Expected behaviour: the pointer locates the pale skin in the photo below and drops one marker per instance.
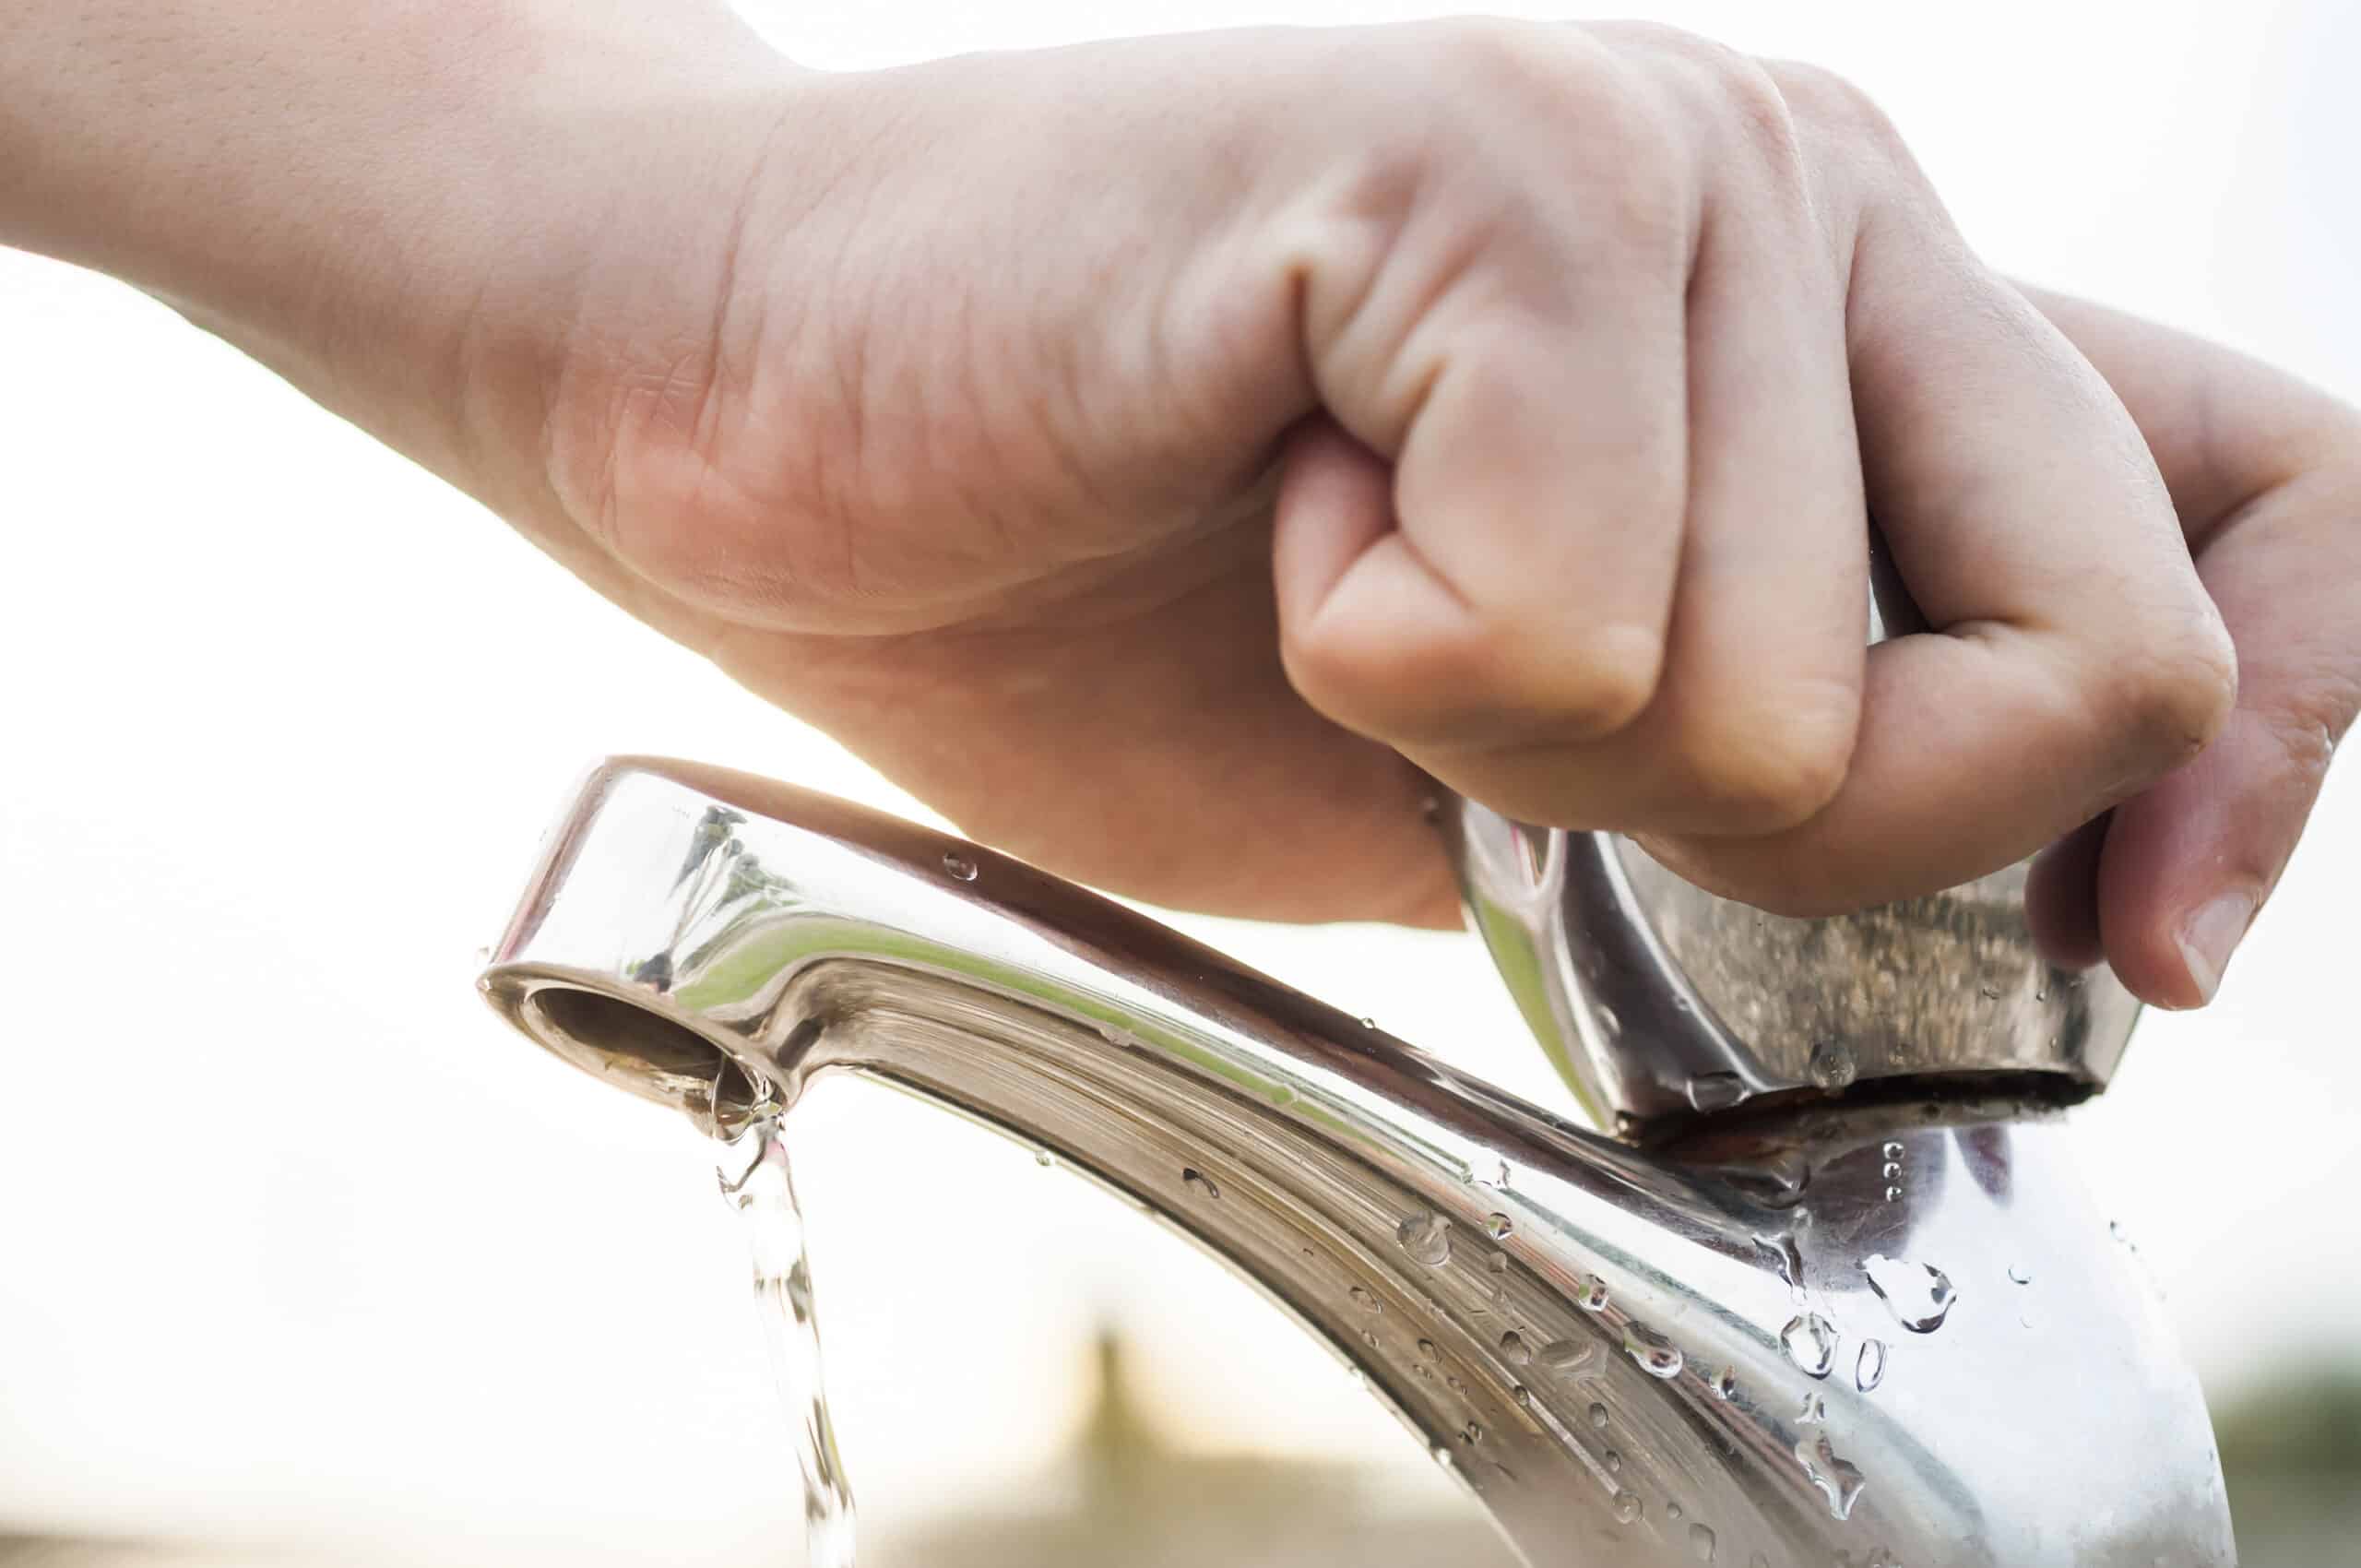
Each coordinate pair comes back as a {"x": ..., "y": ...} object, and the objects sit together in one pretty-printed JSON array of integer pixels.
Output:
[{"x": 1166, "y": 457}]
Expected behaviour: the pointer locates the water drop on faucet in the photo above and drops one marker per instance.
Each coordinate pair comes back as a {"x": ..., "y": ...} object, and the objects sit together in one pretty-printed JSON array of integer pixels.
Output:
[
  {"x": 2020, "y": 1275},
  {"x": 1869, "y": 1370},
  {"x": 1717, "y": 1091},
  {"x": 1784, "y": 1256},
  {"x": 1627, "y": 1506},
  {"x": 1427, "y": 1238},
  {"x": 1920, "y": 1295},
  {"x": 1515, "y": 1351},
  {"x": 1199, "y": 1185},
  {"x": 1810, "y": 1341},
  {"x": 1367, "y": 1301},
  {"x": 1839, "y": 1480},
  {"x": 1498, "y": 1227},
  {"x": 1565, "y": 1356},
  {"x": 1656, "y": 1356},
  {"x": 958, "y": 867},
  {"x": 1832, "y": 1066},
  {"x": 1701, "y": 1543},
  {"x": 1592, "y": 1296},
  {"x": 1598, "y": 1417}
]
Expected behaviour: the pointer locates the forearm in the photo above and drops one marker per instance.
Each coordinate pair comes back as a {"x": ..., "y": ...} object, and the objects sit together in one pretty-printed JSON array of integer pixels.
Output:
[{"x": 396, "y": 179}]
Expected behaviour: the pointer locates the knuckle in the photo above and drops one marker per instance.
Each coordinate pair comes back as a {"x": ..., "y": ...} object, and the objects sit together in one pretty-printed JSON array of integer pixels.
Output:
[
  {"x": 1838, "y": 109},
  {"x": 1737, "y": 92},
  {"x": 1763, "y": 766},
  {"x": 2175, "y": 695}
]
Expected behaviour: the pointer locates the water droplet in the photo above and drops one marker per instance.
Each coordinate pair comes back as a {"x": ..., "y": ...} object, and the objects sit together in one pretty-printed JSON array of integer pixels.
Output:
[
  {"x": 1044, "y": 1158},
  {"x": 1365, "y": 1301},
  {"x": 958, "y": 867},
  {"x": 1920, "y": 1295},
  {"x": 1717, "y": 1091},
  {"x": 1893, "y": 1151},
  {"x": 1839, "y": 1480},
  {"x": 1727, "y": 1384},
  {"x": 1832, "y": 1066},
  {"x": 1591, "y": 1296},
  {"x": 1989, "y": 992},
  {"x": 1810, "y": 1340},
  {"x": 1368, "y": 1023},
  {"x": 1442, "y": 1456},
  {"x": 1199, "y": 1185},
  {"x": 1814, "y": 1410},
  {"x": 1609, "y": 1027},
  {"x": 2020, "y": 1275},
  {"x": 1567, "y": 1356},
  {"x": 1427, "y": 1348},
  {"x": 1369, "y": 1339},
  {"x": 1613, "y": 1461},
  {"x": 1893, "y": 1195},
  {"x": 1892, "y": 1169},
  {"x": 1627, "y": 1506},
  {"x": 1455, "y": 1385},
  {"x": 1777, "y": 1182},
  {"x": 1626, "y": 1124},
  {"x": 1497, "y": 1225},
  {"x": 1514, "y": 1349},
  {"x": 1701, "y": 1543},
  {"x": 1869, "y": 1370},
  {"x": 1783, "y": 1255},
  {"x": 1656, "y": 1356},
  {"x": 1471, "y": 1433},
  {"x": 1427, "y": 1238},
  {"x": 1672, "y": 1510},
  {"x": 1498, "y": 1262},
  {"x": 1598, "y": 1417}
]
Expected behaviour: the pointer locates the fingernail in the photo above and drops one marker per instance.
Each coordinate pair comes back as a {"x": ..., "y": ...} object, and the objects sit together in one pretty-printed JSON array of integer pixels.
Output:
[{"x": 2210, "y": 937}]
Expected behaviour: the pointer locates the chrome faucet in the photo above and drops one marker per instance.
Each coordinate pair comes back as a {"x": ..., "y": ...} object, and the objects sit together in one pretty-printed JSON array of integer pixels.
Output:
[{"x": 1833, "y": 1293}]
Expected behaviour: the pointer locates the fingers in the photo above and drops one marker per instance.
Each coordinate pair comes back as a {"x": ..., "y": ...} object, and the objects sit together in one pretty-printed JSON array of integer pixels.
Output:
[
  {"x": 2074, "y": 658},
  {"x": 2262, "y": 471},
  {"x": 2190, "y": 863},
  {"x": 1514, "y": 582},
  {"x": 1618, "y": 574}
]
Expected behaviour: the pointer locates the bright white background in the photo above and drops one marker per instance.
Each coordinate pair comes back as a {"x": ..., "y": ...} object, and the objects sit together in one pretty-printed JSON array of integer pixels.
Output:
[{"x": 294, "y": 1237}]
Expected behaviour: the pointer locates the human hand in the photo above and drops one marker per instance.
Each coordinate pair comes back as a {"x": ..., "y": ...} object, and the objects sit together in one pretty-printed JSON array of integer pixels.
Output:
[{"x": 1136, "y": 450}]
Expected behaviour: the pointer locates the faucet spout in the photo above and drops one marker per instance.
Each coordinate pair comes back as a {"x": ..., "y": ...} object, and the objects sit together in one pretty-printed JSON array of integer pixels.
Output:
[{"x": 1891, "y": 1327}]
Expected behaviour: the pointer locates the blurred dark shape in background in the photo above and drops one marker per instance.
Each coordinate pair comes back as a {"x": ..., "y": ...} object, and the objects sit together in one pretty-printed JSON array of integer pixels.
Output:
[{"x": 1124, "y": 1495}]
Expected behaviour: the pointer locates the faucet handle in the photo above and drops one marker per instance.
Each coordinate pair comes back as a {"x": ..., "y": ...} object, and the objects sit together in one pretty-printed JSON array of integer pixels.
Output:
[{"x": 1657, "y": 1001}]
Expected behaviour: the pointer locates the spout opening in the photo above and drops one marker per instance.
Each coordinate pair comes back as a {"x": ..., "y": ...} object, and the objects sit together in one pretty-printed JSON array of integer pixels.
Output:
[{"x": 640, "y": 1048}]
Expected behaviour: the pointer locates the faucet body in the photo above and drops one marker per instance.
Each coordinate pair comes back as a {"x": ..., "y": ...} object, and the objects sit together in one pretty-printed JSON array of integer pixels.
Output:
[{"x": 1874, "y": 1323}]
